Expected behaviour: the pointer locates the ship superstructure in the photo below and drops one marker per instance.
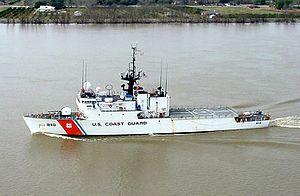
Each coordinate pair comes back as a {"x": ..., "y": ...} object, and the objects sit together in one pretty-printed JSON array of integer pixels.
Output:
[{"x": 137, "y": 111}]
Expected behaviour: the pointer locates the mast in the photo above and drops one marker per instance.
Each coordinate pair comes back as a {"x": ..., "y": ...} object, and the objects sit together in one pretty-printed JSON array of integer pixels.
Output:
[
  {"x": 131, "y": 75},
  {"x": 133, "y": 59}
]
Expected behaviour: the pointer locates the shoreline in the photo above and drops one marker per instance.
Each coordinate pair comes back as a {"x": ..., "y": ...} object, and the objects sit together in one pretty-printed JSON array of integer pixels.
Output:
[
  {"x": 156, "y": 21},
  {"x": 148, "y": 15}
]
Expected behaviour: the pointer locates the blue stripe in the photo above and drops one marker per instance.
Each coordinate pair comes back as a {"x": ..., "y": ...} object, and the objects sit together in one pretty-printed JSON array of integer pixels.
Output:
[{"x": 80, "y": 127}]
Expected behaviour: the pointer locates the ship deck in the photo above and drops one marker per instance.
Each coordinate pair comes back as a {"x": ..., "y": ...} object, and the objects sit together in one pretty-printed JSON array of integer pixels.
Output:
[
  {"x": 215, "y": 112},
  {"x": 51, "y": 115},
  {"x": 175, "y": 112}
]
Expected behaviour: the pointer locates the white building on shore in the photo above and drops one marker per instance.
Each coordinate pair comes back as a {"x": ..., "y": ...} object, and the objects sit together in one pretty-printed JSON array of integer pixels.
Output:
[{"x": 46, "y": 8}]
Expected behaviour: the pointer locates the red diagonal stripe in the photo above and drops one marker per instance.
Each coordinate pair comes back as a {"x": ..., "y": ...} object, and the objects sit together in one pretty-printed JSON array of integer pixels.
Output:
[{"x": 70, "y": 127}]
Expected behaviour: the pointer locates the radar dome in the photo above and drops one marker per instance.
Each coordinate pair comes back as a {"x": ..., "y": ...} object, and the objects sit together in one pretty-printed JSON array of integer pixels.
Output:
[
  {"x": 87, "y": 86},
  {"x": 98, "y": 89},
  {"x": 66, "y": 111}
]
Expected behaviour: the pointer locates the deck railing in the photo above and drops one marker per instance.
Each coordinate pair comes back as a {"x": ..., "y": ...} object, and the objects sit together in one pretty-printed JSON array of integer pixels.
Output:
[{"x": 56, "y": 116}]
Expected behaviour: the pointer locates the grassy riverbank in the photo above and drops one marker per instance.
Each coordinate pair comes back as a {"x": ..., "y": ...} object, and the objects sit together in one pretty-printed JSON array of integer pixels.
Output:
[{"x": 150, "y": 14}]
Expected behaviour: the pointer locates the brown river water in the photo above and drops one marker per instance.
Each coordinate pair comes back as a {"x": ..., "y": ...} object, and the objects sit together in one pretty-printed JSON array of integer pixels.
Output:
[{"x": 246, "y": 66}]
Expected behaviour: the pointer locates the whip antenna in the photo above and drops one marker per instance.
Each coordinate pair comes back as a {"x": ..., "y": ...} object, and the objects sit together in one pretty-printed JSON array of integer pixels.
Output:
[
  {"x": 160, "y": 77},
  {"x": 86, "y": 70},
  {"x": 166, "y": 87},
  {"x": 82, "y": 74}
]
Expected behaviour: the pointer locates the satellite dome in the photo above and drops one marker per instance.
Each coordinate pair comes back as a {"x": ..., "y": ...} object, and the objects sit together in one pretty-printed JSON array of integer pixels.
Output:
[
  {"x": 98, "y": 89},
  {"x": 87, "y": 86}
]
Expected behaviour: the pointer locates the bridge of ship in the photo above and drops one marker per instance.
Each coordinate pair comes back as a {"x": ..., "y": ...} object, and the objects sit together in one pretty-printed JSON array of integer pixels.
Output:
[{"x": 194, "y": 112}]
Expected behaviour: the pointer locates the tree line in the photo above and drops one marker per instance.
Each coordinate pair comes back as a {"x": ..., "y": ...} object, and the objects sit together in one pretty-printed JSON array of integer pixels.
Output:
[{"x": 59, "y": 4}]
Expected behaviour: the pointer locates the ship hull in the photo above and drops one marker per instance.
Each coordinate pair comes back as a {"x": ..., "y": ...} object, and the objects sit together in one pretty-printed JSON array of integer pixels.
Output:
[{"x": 138, "y": 127}]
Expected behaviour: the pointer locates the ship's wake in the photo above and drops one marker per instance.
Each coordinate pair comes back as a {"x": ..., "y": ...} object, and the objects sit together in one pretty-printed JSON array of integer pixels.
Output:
[
  {"x": 65, "y": 137},
  {"x": 290, "y": 101},
  {"x": 104, "y": 139},
  {"x": 287, "y": 122}
]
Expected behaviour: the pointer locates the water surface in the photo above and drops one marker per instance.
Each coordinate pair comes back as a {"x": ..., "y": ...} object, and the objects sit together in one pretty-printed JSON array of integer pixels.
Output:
[{"x": 249, "y": 67}]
